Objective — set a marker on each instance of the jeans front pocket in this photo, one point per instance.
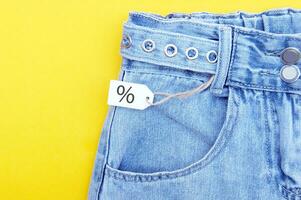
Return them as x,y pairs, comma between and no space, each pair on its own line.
172,139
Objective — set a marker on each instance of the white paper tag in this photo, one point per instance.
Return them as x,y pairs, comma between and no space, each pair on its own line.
129,95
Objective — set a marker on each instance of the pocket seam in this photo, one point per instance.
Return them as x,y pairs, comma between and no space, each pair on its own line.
219,144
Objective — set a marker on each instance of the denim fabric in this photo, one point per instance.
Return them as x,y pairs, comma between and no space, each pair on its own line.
239,139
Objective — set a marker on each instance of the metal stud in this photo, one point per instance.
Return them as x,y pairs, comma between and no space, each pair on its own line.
170,50
211,56
290,55
126,41
191,53
289,73
148,45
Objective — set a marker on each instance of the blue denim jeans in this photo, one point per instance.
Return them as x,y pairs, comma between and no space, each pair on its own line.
239,139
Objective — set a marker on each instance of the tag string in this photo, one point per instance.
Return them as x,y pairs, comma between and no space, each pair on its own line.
181,95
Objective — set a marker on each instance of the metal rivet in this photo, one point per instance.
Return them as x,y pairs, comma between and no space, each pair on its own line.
290,55
126,41
148,45
289,73
211,56
191,53
170,50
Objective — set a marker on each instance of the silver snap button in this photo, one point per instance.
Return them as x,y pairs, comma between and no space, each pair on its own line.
170,50
289,73
290,55
191,53
126,41
148,45
211,56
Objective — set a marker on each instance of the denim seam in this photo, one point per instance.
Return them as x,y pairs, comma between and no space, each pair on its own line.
99,185
272,12
276,129
101,175
267,13
267,35
187,38
269,141
161,74
165,63
218,74
267,130
234,50
285,89
221,74
197,166
277,12
161,20
236,28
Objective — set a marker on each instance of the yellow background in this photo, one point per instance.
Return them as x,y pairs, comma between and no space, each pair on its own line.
56,60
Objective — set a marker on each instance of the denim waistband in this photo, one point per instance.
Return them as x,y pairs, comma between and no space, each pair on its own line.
248,46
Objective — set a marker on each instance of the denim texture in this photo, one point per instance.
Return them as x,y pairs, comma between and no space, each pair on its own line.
238,140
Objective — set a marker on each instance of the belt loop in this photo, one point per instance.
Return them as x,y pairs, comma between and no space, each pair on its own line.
223,61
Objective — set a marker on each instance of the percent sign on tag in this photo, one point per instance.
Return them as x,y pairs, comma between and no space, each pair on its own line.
125,94
129,95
